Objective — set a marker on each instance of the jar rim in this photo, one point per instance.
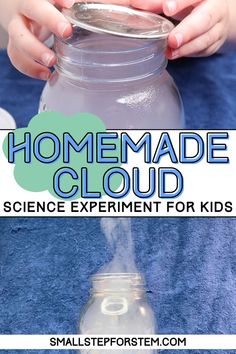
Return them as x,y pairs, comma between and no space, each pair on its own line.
121,282
146,44
101,276
85,56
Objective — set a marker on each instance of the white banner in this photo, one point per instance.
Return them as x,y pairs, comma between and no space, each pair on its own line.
196,177
114,342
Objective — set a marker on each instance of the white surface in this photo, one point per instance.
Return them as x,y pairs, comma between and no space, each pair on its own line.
111,342
6,120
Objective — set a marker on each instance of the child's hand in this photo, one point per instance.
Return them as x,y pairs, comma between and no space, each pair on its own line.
203,29
30,24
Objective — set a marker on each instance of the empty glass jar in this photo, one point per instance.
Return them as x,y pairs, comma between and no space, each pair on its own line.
122,80
117,305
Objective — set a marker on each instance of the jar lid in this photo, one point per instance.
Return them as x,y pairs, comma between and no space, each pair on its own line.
118,20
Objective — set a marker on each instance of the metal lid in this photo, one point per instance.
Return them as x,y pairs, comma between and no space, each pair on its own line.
118,20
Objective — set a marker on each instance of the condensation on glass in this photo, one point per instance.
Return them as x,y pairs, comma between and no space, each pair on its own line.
122,80
118,305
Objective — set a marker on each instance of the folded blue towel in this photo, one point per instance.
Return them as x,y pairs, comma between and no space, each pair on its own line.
189,264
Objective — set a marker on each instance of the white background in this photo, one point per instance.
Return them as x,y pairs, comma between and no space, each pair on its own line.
202,182
210,342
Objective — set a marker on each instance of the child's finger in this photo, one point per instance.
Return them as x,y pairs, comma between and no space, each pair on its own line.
115,2
173,7
150,5
27,65
194,25
209,51
48,16
25,41
65,3
198,44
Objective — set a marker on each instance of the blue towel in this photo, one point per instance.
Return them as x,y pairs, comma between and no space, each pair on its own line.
189,264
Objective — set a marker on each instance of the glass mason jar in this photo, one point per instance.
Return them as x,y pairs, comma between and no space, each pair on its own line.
117,306
122,80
